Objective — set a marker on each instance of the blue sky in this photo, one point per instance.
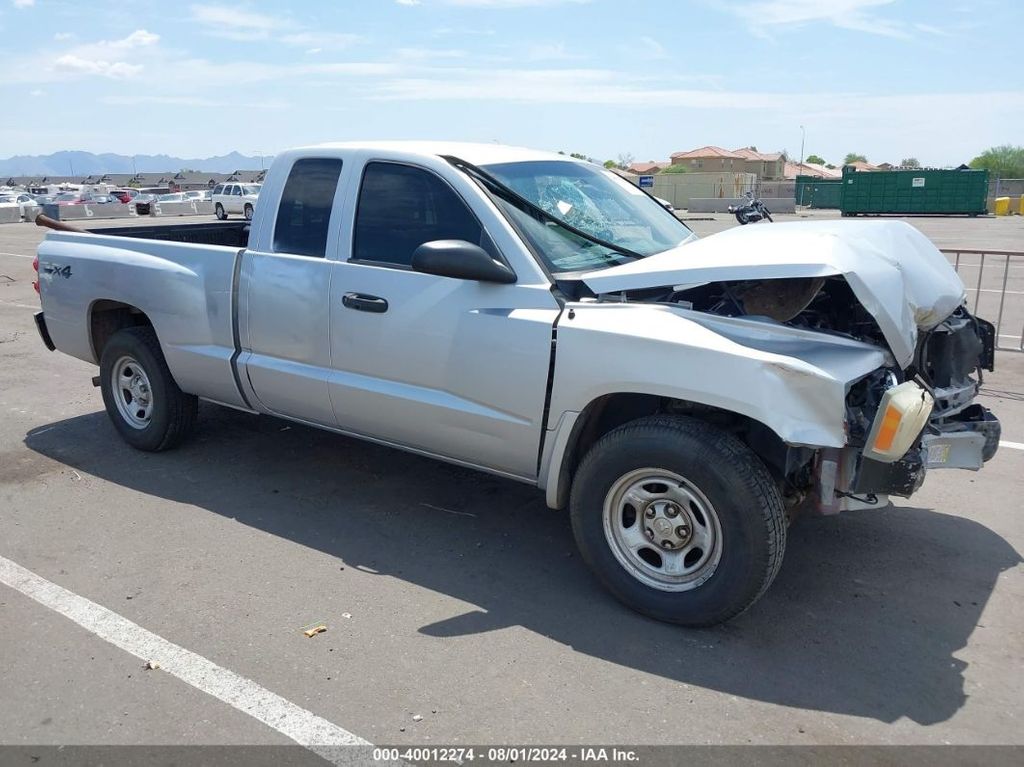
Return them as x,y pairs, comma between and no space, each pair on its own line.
936,80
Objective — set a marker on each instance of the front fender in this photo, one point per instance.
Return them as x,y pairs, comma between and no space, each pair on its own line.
791,380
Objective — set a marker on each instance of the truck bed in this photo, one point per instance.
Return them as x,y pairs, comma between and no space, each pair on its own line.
233,234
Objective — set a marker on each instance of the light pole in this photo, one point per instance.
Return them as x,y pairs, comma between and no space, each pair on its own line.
803,135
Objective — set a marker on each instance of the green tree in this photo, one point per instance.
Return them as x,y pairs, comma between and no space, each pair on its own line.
816,159
610,164
853,157
910,162
674,169
1005,161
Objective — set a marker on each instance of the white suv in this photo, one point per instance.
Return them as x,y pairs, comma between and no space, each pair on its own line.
235,198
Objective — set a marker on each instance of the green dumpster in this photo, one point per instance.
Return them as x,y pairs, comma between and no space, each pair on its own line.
817,192
945,192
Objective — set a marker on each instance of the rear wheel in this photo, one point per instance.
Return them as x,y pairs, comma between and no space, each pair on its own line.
248,212
218,210
142,399
679,520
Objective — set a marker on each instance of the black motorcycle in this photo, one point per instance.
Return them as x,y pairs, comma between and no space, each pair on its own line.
751,211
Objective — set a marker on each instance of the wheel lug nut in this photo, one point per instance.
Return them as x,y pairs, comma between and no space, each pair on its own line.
681,531
649,532
671,511
649,513
667,544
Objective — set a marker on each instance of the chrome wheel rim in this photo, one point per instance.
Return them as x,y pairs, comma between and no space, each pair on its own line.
132,392
662,529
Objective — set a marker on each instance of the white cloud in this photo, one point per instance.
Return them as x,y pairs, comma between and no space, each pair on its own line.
854,15
511,3
118,70
550,52
23,3
320,39
243,25
63,36
234,23
140,38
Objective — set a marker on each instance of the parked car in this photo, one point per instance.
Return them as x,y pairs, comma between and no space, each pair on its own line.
100,199
21,200
235,198
124,196
199,194
529,315
69,198
143,202
173,197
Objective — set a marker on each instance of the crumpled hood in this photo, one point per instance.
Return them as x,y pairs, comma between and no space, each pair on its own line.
894,270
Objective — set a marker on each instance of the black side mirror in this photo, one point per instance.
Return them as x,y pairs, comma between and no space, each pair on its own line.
461,260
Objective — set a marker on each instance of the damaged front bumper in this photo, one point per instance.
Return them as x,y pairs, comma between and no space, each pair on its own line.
915,428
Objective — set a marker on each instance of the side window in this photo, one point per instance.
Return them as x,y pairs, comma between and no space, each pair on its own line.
401,207
219,189
305,212
236,190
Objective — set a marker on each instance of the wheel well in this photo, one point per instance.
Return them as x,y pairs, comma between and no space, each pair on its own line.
107,317
613,410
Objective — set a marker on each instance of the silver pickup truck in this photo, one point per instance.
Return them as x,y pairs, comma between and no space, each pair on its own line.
540,318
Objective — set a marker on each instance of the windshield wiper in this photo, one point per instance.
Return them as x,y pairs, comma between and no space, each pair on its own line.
524,204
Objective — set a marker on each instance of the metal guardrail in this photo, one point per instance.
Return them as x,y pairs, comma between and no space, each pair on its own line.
1008,262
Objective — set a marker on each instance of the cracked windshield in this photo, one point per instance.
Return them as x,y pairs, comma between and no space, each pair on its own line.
594,201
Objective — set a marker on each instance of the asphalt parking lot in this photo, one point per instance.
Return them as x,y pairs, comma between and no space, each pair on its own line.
457,597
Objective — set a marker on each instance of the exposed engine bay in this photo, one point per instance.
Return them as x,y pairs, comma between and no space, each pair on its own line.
825,305
946,370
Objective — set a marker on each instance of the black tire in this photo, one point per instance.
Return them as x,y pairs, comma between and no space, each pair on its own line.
741,217
248,212
219,212
730,476
173,413
768,215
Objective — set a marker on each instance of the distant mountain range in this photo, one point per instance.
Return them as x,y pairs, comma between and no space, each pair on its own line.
87,164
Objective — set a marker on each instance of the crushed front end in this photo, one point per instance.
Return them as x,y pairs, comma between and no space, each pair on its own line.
901,423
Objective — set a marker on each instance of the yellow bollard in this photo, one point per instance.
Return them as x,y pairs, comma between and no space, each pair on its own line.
1020,208
1002,207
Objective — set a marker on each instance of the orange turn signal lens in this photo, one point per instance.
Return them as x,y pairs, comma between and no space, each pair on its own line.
887,431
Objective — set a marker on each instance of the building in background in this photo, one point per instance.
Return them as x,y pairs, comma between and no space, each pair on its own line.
710,159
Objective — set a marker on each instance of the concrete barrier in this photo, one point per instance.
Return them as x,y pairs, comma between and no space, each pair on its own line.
190,208
10,215
721,204
81,212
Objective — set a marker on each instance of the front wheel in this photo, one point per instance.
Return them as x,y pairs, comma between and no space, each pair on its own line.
142,399
248,212
768,216
679,520
218,211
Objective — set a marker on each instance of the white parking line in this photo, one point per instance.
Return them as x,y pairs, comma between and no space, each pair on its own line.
1012,445
318,735
16,255
20,306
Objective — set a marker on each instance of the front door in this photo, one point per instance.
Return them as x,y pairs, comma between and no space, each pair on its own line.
286,299
453,367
